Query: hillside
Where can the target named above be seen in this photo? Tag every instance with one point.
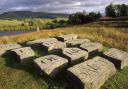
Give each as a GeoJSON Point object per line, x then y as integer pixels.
{"type": "Point", "coordinates": [29, 14]}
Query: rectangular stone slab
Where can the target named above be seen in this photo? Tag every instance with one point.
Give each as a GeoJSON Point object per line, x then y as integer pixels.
{"type": "Point", "coordinates": [75, 55]}
{"type": "Point", "coordinates": [53, 46]}
{"type": "Point", "coordinates": [39, 41]}
{"type": "Point", "coordinates": [51, 65]}
{"type": "Point", "coordinates": [90, 47]}
{"type": "Point", "coordinates": [6, 47]}
{"type": "Point", "coordinates": [91, 74]}
{"type": "Point", "coordinates": [66, 37]}
{"type": "Point", "coordinates": [76, 42]}
{"type": "Point", "coordinates": [23, 54]}
{"type": "Point", "coordinates": [118, 57]}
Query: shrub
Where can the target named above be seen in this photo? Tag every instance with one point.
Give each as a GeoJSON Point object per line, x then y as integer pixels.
{"type": "Point", "coordinates": [81, 18]}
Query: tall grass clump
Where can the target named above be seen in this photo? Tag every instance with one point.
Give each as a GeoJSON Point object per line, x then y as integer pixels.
{"type": "Point", "coordinates": [109, 36]}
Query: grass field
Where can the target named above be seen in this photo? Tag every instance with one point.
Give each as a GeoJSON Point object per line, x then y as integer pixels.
{"type": "Point", "coordinates": [17, 76]}
{"type": "Point", "coordinates": [28, 24]}
{"type": "Point", "coordinates": [10, 22]}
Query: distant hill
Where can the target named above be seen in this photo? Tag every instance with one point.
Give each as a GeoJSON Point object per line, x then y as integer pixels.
{"type": "Point", "coordinates": [29, 14]}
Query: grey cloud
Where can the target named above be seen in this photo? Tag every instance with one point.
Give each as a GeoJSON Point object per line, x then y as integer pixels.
{"type": "Point", "coordinates": [60, 6]}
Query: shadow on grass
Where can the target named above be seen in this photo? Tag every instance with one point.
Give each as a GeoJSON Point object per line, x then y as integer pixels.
{"type": "Point", "coordinates": [59, 82]}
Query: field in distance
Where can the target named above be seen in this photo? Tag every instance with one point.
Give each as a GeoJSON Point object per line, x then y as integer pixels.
{"type": "Point", "coordinates": [30, 24]}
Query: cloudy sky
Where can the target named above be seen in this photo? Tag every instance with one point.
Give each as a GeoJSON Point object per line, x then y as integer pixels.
{"type": "Point", "coordinates": [57, 6]}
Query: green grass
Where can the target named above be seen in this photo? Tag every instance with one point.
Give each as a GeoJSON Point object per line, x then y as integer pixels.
{"type": "Point", "coordinates": [119, 81]}
{"type": "Point", "coordinates": [9, 25]}
{"type": "Point", "coordinates": [10, 22]}
{"type": "Point", "coordinates": [23, 76]}
{"type": "Point", "coordinates": [28, 24]}
{"type": "Point", "coordinates": [16, 76]}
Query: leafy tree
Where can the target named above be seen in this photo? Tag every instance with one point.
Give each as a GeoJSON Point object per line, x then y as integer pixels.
{"type": "Point", "coordinates": [110, 10]}
{"type": "Point", "coordinates": [81, 18]}
{"type": "Point", "coordinates": [116, 10]}
{"type": "Point", "coordinates": [94, 15]}
{"type": "Point", "coordinates": [99, 15]}
{"type": "Point", "coordinates": [124, 10]}
{"type": "Point", "coordinates": [31, 23]}
{"type": "Point", "coordinates": [76, 18]}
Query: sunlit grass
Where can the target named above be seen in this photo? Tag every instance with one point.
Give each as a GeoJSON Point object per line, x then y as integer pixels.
{"type": "Point", "coordinates": [10, 22]}
{"type": "Point", "coordinates": [118, 81]}
{"type": "Point", "coordinates": [109, 36]}
{"type": "Point", "coordinates": [28, 24]}
{"type": "Point", "coordinates": [16, 76]}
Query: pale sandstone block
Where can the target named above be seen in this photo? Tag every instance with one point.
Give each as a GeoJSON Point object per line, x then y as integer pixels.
{"type": "Point", "coordinates": [6, 47]}
{"type": "Point", "coordinates": [23, 54]}
{"type": "Point", "coordinates": [75, 55]}
{"type": "Point", "coordinates": [67, 37]}
{"type": "Point", "coordinates": [76, 42]}
{"type": "Point", "coordinates": [51, 65]}
{"type": "Point", "coordinates": [118, 57]}
{"type": "Point", "coordinates": [91, 74]}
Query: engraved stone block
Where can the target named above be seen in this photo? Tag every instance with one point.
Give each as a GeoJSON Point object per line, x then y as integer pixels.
{"type": "Point", "coordinates": [118, 57]}
{"type": "Point", "coordinates": [75, 55]}
{"type": "Point", "coordinates": [91, 48]}
{"type": "Point", "coordinates": [66, 37]}
{"type": "Point", "coordinates": [6, 47]}
{"type": "Point", "coordinates": [39, 41]}
{"type": "Point", "coordinates": [76, 42]}
{"type": "Point", "coordinates": [23, 54]}
{"type": "Point", "coordinates": [53, 46]}
{"type": "Point", "coordinates": [51, 65]}
{"type": "Point", "coordinates": [91, 74]}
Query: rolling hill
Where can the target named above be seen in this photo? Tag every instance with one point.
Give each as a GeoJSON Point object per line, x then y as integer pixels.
{"type": "Point", "coordinates": [29, 14]}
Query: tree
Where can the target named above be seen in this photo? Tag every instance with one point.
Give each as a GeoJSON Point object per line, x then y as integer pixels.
{"type": "Point", "coordinates": [76, 18]}
{"type": "Point", "coordinates": [99, 15]}
{"type": "Point", "coordinates": [110, 10]}
{"type": "Point", "coordinates": [31, 23]}
{"type": "Point", "coordinates": [124, 10]}
{"type": "Point", "coordinates": [94, 15]}
{"type": "Point", "coordinates": [116, 10]}
{"type": "Point", "coordinates": [81, 17]}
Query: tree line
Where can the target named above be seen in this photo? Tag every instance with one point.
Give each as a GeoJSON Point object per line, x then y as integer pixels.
{"type": "Point", "coordinates": [83, 17]}
{"type": "Point", "coordinates": [111, 11]}
{"type": "Point", "coordinates": [116, 10]}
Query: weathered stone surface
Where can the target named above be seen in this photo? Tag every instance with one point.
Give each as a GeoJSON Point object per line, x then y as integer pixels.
{"type": "Point", "coordinates": [76, 42]}
{"type": "Point", "coordinates": [91, 74]}
{"type": "Point", "coordinates": [51, 65]}
{"type": "Point", "coordinates": [90, 47]}
{"type": "Point", "coordinates": [118, 57]}
{"type": "Point", "coordinates": [6, 47]}
{"type": "Point", "coordinates": [75, 55]}
{"type": "Point", "coordinates": [66, 37]}
{"type": "Point", "coordinates": [39, 41]}
{"type": "Point", "coordinates": [23, 53]}
{"type": "Point", "coordinates": [54, 46]}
